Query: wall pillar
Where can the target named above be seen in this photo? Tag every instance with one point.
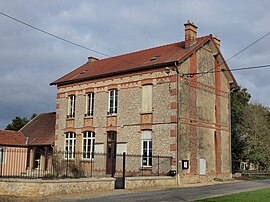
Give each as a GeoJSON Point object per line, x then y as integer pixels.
{"type": "Point", "coordinates": [193, 115]}
{"type": "Point", "coordinates": [32, 158]}
{"type": "Point", "coordinates": [218, 117]}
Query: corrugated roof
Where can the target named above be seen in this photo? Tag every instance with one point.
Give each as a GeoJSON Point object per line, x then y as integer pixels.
{"type": "Point", "coordinates": [12, 138]}
{"type": "Point", "coordinates": [135, 61]}
{"type": "Point", "coordinates": [41, 129]}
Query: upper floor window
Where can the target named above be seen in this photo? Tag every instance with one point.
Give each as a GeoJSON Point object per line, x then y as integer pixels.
{"type": "Point", "coordinates": [89, 104]}
{"type": "Point", "coordinates": [71, 106]}
{"type": "Point", "coordinates": [70, 145]}
{"type": "Point", "coordinates": [147, 92]}
{"type": "Point", "coordinates": [113, 101]}
{"type": "Point", "coordinates": [88, 145]}
{"type": "Point", "coordinates": [147, 148]}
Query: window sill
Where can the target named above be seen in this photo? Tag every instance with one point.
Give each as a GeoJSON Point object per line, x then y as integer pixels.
{"type": "Point", "coordinates": [111, 115]}
{"type": "Point", "coordinates": [70, 118]}
{"type": "Point", "coordinates": [146, 168]}
{"type": "Point", "coordinates": [145, 113]}
{"type": "Point", "coordinates": [88, 116]}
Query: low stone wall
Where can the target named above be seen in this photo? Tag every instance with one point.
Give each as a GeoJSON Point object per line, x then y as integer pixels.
{"type": "Point", "coordinates": [193, 179]}
{"type": "Point", "coordinates": [35, 188]}
{"type": "Point", "coordinates": [144, 182]}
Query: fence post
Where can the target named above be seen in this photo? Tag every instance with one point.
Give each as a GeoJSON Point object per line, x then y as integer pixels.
{"type": "Point", "coordinates": [158, 165]}
{"type": "Point", "coordinates": [53, 163]}
{"type": "Point", "coordinates": [67, 163]}
{"type": "Point", "coordinates": [91, 172]}
{"type": "Point", "coordinates": [124, 169]}
{"type": "Point", "coordinates": [142, 164]}
{"type": "Point", "coordinates": [2, 160]}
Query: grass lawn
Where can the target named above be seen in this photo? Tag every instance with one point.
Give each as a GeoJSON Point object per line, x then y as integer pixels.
{"type": "Point", "coordinates": [260, 195]}
{"type": "Point", "coordinates": [253, 178]}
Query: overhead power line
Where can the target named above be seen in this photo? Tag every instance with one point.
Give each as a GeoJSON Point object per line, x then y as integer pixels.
{"type": "Point", "coordinates": [236, 54]}
{"type": "Point", "coordinates": [106, 55]}
{"type": "Point", "coordinates": [53, 35]}
{"type": "Point", "coordinates": [65, 40]}
{"type": "Point", "coordinates": [254, 42]}
{"type": "Point", "coordinates": [229, 70]}
{"type": "Point", "coordinates": [245, 68]}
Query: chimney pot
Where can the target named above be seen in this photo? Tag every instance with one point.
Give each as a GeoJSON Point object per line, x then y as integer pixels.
{"type": "Point", "coordinates": [92, 59]}
{"type": "Point", "coordinates": [190, 33]}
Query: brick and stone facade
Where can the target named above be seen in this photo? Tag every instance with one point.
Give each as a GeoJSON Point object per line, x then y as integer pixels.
{"type": "Point", "coordinates": [204, 134]}
{"type": "Point", "coordinates": [129, 121]}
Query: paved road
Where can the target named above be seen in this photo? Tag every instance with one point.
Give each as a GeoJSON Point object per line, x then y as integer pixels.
{"type": "Point", "coordinates": [182, 194]}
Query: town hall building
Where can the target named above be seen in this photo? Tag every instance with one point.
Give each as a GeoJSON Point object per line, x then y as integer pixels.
{"type": "Point", "coordinates": [172, 100]}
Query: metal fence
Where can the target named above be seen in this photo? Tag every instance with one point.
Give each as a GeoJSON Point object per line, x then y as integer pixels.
{"type": "Point", "coordinates": [25, 163]}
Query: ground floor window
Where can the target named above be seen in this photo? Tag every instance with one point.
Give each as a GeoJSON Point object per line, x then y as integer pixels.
{"type": "Point", "coordinates": [88, 145]}
{"type": "Point", "coordinates": [147, 148]}
{"type": "Point", "coordinates": [70, 145]}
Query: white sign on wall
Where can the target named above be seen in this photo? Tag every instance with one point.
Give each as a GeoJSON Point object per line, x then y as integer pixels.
{"type": "Point", "coordinates": [99, 148]}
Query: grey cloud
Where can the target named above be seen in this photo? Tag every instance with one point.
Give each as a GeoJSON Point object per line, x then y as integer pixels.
{"type": "Point", "coordinates": [30, 60]}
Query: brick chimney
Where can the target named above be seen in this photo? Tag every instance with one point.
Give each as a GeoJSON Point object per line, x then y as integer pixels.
{"type": "Point", "coordinates": [217, 41]}
{"type": "Point", "coordinates": [92, 59]}
{"type": "Point", "coordinates": [190, 34]}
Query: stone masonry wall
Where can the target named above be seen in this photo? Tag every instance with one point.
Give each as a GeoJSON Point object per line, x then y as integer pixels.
{"type": "Point", "coordinates": [204, 118]}
{"type": "Point", "coordinates": [35, 188]}
{"type": "Point", "coordinates": [129, 124]}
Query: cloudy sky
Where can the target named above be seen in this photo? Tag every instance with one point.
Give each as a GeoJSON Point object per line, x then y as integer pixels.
{"type": "Point", "coordinates": [30, 60]}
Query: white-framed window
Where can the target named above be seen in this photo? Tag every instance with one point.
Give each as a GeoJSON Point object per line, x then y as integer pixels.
{"type": "Point", "coordinates": [89, 104]}
{"type": "Point", "coordinates": [147, 94]}
{"type": "Point", "coordinates": [2, 155]}
{"type": "Point", "coordinates": [70, 144]}
{"type": "Point", "coordinates": [113, 94]}
{"type": "Point", "coordinates": [147, 148]}
{"type": "Point", "coordinates": [71, 106]}
{"type": "Point", "coordinates": [88, 145]}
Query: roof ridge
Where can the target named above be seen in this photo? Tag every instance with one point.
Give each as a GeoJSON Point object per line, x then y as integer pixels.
{"type": "Point", "coordinates": [31, 120]}
{"type": "Point", "coordinates": [124, 54]}
{"type": "Point", "coordinates": [130, 57]}
{"type": "Point", "coordinates": [46, 113]}
{"type": "Point", "coordinates": [168, 44]}
{"type": "Point", "coordinates": [28, 123]}
{"type": "Point", "coordinates": [114, 57]}
{"type": "Point", "coordinates": [191, 49]}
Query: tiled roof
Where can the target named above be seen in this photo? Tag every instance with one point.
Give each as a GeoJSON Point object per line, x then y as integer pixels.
{"type": "Point", "coordinates": [41, 129]}
{"type": "Point", "coordinates": [135, 61]}
{"type": "Point", "coordinates": [12, 138]}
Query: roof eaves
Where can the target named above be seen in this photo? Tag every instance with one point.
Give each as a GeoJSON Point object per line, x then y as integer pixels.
{"type": "Point", "coordinates": [56, 81]}
{"type": "Point", "coordinates": [14, 145]}
{"type": "Point", "coordinates": [113, 73]}
{"type": "Point", "coordinates": [41, 144]}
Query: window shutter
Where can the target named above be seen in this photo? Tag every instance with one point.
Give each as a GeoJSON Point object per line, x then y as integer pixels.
{"type": "Point", "coordinates": [147, 98]}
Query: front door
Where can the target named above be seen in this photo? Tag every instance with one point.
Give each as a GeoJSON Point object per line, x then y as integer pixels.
{"type": "Point", "coordinates": [111, 152]}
